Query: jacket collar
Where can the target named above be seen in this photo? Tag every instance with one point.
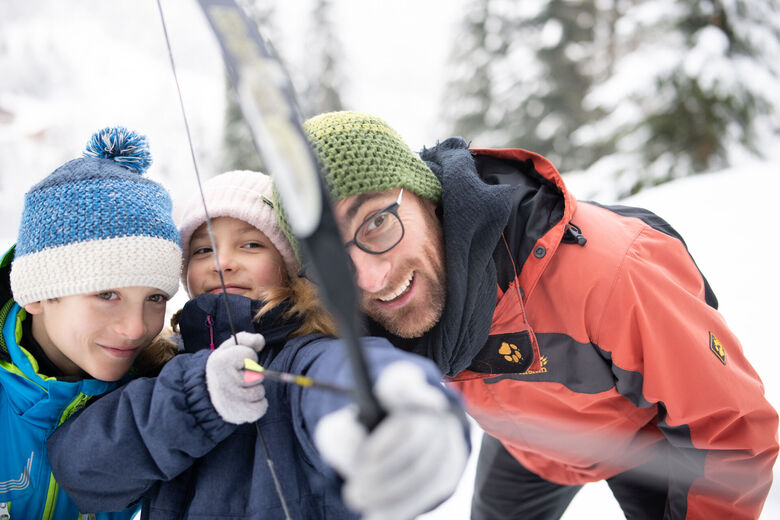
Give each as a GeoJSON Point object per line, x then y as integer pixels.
{"type": "Point", "coordinates": [533, 225]}
{"type": "Point", "coordinates": [204, 321]}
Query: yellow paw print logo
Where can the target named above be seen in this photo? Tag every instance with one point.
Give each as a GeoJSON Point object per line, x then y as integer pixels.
{"type": "Point", "coordinates": [510, 352]}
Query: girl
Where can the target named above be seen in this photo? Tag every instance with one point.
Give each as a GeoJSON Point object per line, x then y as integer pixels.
{"type": "Point", "coordinates": [194, 441]}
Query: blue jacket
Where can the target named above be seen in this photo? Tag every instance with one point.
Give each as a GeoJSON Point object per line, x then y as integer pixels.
{"type": "Point", "coordinates": [32, 405]}
{"type": "Point", "coordinates": [162, 440]}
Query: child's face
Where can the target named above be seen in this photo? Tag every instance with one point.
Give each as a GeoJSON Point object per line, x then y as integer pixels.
{"type": "Point", "coordinates": [250, 262]}
{"type": "Point", "coordinates": [99, 334]}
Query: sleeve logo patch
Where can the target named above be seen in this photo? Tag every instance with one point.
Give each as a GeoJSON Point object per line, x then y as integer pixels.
{"type": "Point", "coordinates": [717, 348]}
{"type": "Point", "coordinates": [508, 353]}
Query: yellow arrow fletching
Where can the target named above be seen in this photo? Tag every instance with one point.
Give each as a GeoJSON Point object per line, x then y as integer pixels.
{"type": "Point", "coordinates": [252, 365]}
{"type": "Point", "coordinates": [285, 377]}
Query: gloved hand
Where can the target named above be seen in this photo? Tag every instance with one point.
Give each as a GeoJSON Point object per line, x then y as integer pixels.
{"type": "Point", "coordinates": [411, 461]}
{"type": "Point", "coordinates": [235, 400]}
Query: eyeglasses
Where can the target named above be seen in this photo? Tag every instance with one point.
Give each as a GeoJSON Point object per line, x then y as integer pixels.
{"type": "Point", "coordinates": [380, 232]}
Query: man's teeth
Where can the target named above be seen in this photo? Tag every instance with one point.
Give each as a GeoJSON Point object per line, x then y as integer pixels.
{"type": "Point", "coordinates": [398, 292]}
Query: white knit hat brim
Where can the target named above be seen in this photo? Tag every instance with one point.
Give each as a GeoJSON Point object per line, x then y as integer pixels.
{"type": "Point", "coordinates": [243, 195]}
{"type": "Point", "coordinates": [97, 265]}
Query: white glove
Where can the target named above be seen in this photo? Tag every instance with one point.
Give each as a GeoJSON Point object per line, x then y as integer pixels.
{"type": "Point", "coordinates": [410, 462]}
{"type": "Point", "coordinates": [234, 399]}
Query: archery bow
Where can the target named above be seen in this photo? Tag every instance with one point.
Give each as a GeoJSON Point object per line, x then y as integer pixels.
{"type": "Point", "coordinates": [268, 104]}
{"type": "Point", "coordinates": [255, 371]}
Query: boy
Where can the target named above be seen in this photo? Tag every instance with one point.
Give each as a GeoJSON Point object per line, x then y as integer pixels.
{"type": "Point", "coordinates": [84, 292]}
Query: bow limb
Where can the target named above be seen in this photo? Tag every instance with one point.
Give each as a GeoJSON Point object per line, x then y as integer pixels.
{"type": "Point", "coordinates": [268, 104]}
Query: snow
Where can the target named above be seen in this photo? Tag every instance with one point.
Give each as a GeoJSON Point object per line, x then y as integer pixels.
{"type": "Point", "coordinates": [72, 68]}
{"type": "Point", "coordinates": [82, 71]}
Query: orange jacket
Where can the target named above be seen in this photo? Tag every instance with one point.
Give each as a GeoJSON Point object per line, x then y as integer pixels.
{"type": "Point", "coordinates": [601, 353]}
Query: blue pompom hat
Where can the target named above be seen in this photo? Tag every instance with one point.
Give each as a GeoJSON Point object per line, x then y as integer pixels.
{"type": "Point", "coordinates": [95, 224]}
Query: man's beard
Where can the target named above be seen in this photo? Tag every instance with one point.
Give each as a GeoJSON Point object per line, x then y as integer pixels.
{"type": "Point", "coordinates": [415, 319]}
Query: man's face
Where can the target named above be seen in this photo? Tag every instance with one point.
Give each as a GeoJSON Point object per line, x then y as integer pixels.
{"type": "Point", "coordinates": [250, 262]}
{"type": "Point", "coordinates": [403, 289]}
{"type": "Point", "coordinates": [98, 334]}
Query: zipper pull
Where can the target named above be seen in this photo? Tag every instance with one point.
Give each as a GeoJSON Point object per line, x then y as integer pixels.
{"type": "Point", "coordinates": [5, 510]}
{"type": "Point", "coordinates": [211, 333]}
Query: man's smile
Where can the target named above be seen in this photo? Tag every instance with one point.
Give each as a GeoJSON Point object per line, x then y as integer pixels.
{"type": "Point", "coordinates": [403, 288]}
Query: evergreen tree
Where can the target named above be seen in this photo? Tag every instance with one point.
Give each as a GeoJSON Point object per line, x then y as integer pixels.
{"type": "Point", "coordinates": [320, 76]}
{"type": "Point", "coordinates": [693, 88]}
{"type": "Point", "coordinates": [520, 75]}
{"type": "Point", "coordinates": [477, 51]}
{"type": "Point", "coordinates": [323, 77]}
{"type": "Point", "coordinates": [640, 91]}
{"type": "Point", "coordinates": [553, 52]}
{"type": "Point", "coordinates": [238, 150]}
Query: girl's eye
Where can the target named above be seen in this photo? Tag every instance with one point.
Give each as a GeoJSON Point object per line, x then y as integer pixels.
{"type": "Point", "coordinates": [201, 251]}
{"type": "Point", "coordinates": [158, 298]}
{"type": "Point", "coordinates": [253, 245]}
{"type": "Point", "coordinates": [108, 295]}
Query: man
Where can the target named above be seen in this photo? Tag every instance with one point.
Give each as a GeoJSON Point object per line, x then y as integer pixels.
{"type": "Point", "coordinates": [584, 339]}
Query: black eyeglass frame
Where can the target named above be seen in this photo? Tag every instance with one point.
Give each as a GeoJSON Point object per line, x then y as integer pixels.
{"type": "Point", "coordinates": [393, 210]}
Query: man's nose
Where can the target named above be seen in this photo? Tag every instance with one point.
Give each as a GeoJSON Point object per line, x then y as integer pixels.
{"type": "Point", "coordinates": [371, 271]}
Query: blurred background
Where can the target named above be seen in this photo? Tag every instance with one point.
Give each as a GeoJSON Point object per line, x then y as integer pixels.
{"type": "Point", "coordinates": [669, 104]}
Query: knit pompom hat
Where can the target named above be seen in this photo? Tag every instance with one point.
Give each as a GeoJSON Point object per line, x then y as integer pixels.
{"type": "Point", "coordinates": [359, 153]}
{"type": "Point", "coordinates": [95, 224]}
{"type": "Point", "coordinates": [243, 195]}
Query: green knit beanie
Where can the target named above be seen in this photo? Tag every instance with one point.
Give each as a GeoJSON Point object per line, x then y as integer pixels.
{"type": "Point", "coordinates": [360, 153]}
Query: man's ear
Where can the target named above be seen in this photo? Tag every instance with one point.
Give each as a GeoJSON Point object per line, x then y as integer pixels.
{"type": "Point", "coordinates": [34, 308]}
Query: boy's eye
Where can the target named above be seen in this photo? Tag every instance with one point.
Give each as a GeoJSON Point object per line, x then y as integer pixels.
{"type": "Point", "coordinates": [108, 295]}
{"type": "Point", "coordinates": [158, 298]}
{"type": "Point", "coordinates": [252, 245]}
{"type": "Point", "coordinates": [201, 250]}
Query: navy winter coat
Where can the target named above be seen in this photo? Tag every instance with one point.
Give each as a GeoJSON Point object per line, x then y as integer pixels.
{"type": "Point", "coordinates": [161, 438]}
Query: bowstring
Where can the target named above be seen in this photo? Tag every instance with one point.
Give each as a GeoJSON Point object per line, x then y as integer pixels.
{"type": "Point", "coordinates": [210, 230]}
{"type": "Point", "coordinates": [197, 172]}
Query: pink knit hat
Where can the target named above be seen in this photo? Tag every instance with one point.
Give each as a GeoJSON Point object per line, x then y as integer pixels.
{"type": "Point", "coordinates": [244, 195]}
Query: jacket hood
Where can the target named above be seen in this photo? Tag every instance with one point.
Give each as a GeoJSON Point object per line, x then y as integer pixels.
{"type": "Point", "coordinates": [473, 215]}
